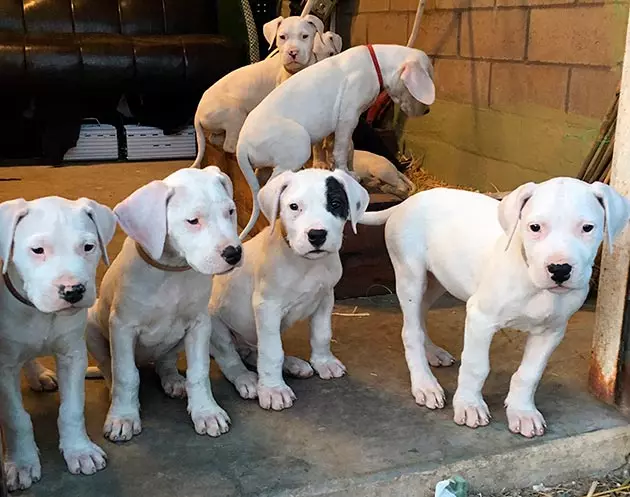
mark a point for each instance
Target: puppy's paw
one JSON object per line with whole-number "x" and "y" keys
{"x": 212, "y": 421}
{"x": 247, "y": 385}
{"x": 44, "y": 381}
{"x": 276, "y": 398}
{"x": 470, "y": 410}
{"x": 437, "y": 356}
{"x": 174, "y": 386}
{"x": 85, "y": 458}
{"x": 297, "y": 367}
{"x": 428, "y": 393}
{"x": 21, "y": 475}
{"x": 329, "y": 367}
{"x": 527, "y": 422}
{"x": 122, "y": 427}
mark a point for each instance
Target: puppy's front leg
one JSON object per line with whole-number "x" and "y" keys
{"x": 21, "y": 464}
{"x": 123, "y": 419}
{"x": 81, "y": 454}
{"x": 322, "y": 359}
{"x": 468, "y": 404}
{"x": 343, "y": 145}
{"x": 273, "y": 392}
{"x": 207, "y": 416}
{"x": 523, "y": 417}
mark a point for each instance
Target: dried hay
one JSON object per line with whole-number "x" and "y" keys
{"x": 424, "y": 180}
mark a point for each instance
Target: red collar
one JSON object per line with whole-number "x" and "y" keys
{"x": 376, "y": 66}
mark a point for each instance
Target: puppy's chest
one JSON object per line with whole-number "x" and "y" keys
{"x": 302, "y": 302}
{"x": 541, "y": 311}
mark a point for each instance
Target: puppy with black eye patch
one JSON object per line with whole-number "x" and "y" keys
{"x": 288, "y": 275}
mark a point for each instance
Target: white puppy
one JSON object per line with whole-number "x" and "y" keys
{"x": 522, "y": 263}
{"x": 154, "y": 297}
{"x": 327, "y": 45}
{"x": 279, "y": 132}
{"x": 50, "y": 249}
{"x": 225, "y": 105}
{"x": 288, "y": 275}
{"x": 376, "y": 170}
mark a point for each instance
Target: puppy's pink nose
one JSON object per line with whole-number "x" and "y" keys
{"x": 293, "y": 53}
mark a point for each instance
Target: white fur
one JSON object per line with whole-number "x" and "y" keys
{"x": 225, "y": 105}
{"x": 487, "y": 254}
{"x": 327, "y": 45}
{"x": 283, "y": 281}
{"x": 280, "y": 131}
{"x": 147, "y": 315}
{"x": 71, "y": 236}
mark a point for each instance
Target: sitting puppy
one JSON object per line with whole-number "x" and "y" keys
{"x": 524, "y": 262}
{"x": 288, "y": 275}
{"x": 376, "y": 171}
{"x": 225, "y": 105}
{"x": 50, "y": 249}
{"x": 154, "y": 297}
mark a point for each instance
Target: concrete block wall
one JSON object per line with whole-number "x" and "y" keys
{"x": 522, "y": 85}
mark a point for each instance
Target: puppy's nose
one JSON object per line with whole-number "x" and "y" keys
{"x": 559, "y": 272}
{"x": 232, "y": 254}
{"x": 317, "y": 237}
{"x": 293, "y": 53}
{"x": 72, "y": 293}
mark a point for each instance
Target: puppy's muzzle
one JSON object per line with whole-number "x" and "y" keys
{"x": 232, "y": 255}
{"x": 72, "y": 293}
{"x": 559, "y": 272}
{"x": 317, "y": 238}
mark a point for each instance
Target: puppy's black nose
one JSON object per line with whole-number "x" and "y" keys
{"x": 559, "y": 272}
{"x": 232, "y": 254}
{"x": 72, "y": 294}
{"x": 317, "y": 237}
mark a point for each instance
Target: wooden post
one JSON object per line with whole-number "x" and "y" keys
{"x": 613, "y": 280}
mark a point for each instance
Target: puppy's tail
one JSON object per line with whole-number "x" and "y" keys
{"x": 242, "y": 157}
{"x": 377, "y": 218}
{"x": 201, "y": 143}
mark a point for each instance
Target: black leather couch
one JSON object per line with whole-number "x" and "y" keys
{"x": 65, "y": 60}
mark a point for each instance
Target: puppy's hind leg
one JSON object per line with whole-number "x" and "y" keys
{"x": 292, "y": 366}
{"x": 98, "y": 348}
{"x": 173, "y": 383}
{"x": 39, "y": 378}
{"x": 437, "y": 356}
{"x": 233, "y": 129}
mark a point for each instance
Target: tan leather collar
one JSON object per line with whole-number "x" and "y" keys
{"x": 13, "y": 291}
{"x": 163, "y": 267}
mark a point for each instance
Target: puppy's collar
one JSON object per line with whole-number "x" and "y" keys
{"x": 377, "y": 67}
{"x": 13, "y": 291}
{"x": 163, "y": 267}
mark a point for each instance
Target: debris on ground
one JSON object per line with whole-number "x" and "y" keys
{"x": 453, "y": 487}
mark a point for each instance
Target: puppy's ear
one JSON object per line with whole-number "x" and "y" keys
{"x": 142, "y": 216}
{"x": 223, "y": 178}
{"x": 10, "y": 214}
{"x": 336, "y": 41}
{"x": 269, "y": 196}
{"x": 418, "y": 81}
{"x": 511, "y": 207}
{"x": 316, "y": 22}
{"x": 104, "y": 222}
{"x": 358, "y": 197}
{"x": 616, "y": 210}
{"x": 270, "y": 29}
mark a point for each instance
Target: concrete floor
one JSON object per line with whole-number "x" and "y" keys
{"x": 361, "y": 435}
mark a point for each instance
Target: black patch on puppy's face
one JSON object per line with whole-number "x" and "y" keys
{"x": 336, "y": 198}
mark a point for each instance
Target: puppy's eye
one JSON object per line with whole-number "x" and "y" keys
{"x": 192, "y": 221}
{"x": 534, "y": 227}
{"x": 335, "y": 204}
{"x": 88, "y": 247}
{"x": 231, "y": 212}
{"x": 331, "y": 53}
{"x": 38, "y": 250}
{"x": 293, "y": 207}
{"x": 304, "y": 37}
{"x": 587, "y": 228}
{"x": 282, "y": 37}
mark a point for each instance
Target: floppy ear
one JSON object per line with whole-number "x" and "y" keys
{"x": 269, "y": 196}
{"x": 511, "y": 207}
{"x": 223, "y": 178}
{"x": 270, "y": 29}
{"x": 10, "y": 214}
{"x": 336, "y": 41}
{"x": 316, "y": 23}
{"x": 358, "y": 197}
{"x": 418, "y": 82}
{"x": 104, "y": 222}
{"x": 142, "y": 216}
{"x": 616, "y": 210}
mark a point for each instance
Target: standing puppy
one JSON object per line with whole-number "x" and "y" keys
{"x": 522, "y": 263}
{"x": 50, "y": 249}
{"x": 154, "y": 297}
{"x": 225, "y": 105}
{"x": 279, "y": 132}
{"x": 289, "y": 273}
